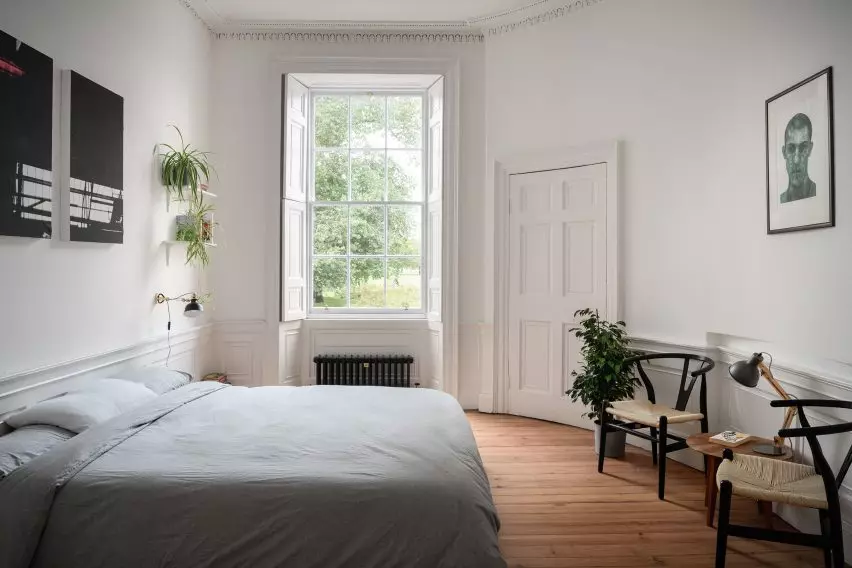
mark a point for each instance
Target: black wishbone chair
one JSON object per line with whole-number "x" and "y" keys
{"x": 783, "y": 482}
{"x": 637, "y": 414}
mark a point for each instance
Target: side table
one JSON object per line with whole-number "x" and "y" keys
{"x": 701, "y": 443}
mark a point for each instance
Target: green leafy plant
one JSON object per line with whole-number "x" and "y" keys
{"x": 367, "y": 176}
{"x": 196, "y": 229}
{"x": 185, "y": 168}
{"x": 605, "y": 376}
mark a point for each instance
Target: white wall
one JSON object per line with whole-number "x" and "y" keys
{"x": 63, "y": 301}
{"x": 683, "y": 84}
{"x": 246, "y": 138}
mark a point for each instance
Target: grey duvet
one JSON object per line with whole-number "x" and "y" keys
{"x": 209, "y": 476}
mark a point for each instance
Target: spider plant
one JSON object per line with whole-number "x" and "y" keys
{"x": 196, "y": 229}
{"x": 185, "y": 168}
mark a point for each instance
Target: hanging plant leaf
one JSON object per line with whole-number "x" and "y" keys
{"x": 184, "y": 169}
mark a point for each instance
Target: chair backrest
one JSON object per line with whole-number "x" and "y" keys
{"x": 687, "y": 379}
{"x": 812, "y": 434}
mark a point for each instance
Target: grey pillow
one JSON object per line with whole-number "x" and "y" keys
{"x": 20, "y": 446}
{"x": 158, "y": 379}
{"x": 78, "y": 410}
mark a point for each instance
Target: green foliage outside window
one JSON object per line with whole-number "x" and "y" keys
{"x": 375, "y": 157}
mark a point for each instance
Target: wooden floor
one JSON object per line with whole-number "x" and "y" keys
{"x": 558, "y": 511}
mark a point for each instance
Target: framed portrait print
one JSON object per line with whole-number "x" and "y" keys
{"x": 800, "y": 156}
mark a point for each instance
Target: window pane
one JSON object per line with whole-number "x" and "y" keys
{"x": 405, "y": 175}
{"x": 368, "y": 230}
{"x": 404, "y": 230}
{"x": 368, "y": 283}
{"x": 330, "y": 230}
{"x": 404, "y": 283}
{"x": 368, "y": 176}
{"x": 331, "y": 176}
{"x": 405, "y": 122}
{"x": 332, "y": 122}
{"x": 329, "y": 283}
{"x": 368, "y": 122}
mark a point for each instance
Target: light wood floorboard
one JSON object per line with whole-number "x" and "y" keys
{"x": 557, "y": 511}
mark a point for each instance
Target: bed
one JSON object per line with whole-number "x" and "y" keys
{"x": 214, "y": 475}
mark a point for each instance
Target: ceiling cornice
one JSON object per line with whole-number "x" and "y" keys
{"x": 188, "y": 5}
{"x": 352, "y": 37}
{"x": 551, "y": 13}
{"x": 468, "y": 31}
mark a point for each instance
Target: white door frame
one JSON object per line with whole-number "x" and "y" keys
{"x": 600, "y": 153}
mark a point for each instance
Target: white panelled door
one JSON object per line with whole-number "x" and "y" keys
{"x": 558, "y": 265}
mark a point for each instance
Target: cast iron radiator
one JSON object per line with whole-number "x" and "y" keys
{"x": 364, "y": 370}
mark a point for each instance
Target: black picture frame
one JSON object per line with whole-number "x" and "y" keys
{"x": 26, "y": 140}
{"x": 828, "y": 73}
{"x": 95, "y": 143}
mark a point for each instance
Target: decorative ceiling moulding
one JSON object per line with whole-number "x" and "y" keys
{"x": 188, "y": 5}
{"x": 472, "y": 30}
{"x": 344, "y": 25}
{"x": 547, "y": 16}
{"x": 347, "y": 37}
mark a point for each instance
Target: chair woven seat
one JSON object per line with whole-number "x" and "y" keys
{"x": 774, "y": 480}
{"x": 648, "y": 413}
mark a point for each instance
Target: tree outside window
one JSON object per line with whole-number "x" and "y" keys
{"x": 368, "y": 201}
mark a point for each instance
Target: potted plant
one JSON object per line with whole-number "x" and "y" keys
{"x": 185, "y": 168}
{"x": 605, "y": 377}
{"x": 196, "y": 229}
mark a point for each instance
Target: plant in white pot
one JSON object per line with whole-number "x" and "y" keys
{"x": 605, "y": 376}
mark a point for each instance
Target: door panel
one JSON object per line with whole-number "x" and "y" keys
{"x": 535, "y": 356}
{"x": 558, "y": 266}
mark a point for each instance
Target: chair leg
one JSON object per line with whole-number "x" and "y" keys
{"x": 654, "y": 446}
{"x": 602, "y": 447}
{"x": 825, "y": 529}
{"x": 725, "y": 492}
{"x": 836, "y": 528}
{"x": 661, "y": 490}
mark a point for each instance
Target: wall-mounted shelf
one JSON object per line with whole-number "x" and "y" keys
{"x": 171, "y": 244}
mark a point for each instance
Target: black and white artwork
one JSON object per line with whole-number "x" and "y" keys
{"x": 800, "y": 156}
{"x": 26, "y": 137}
{"x": 95, "y": 191}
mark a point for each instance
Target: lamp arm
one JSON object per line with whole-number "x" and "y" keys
{"x": 767, "y": 374}
{"x": 791, "y": 411}
{"x": 162, "y": 298}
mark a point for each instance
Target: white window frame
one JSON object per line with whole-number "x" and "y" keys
{"x": 350, "y": 312}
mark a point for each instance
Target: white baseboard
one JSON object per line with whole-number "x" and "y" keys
{"x": 486, "y": 403}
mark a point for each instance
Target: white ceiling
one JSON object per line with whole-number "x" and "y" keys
{"x": 471, "y": 14}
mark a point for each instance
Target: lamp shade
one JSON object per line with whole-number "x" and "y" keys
{"x": 193, "y": 308}
{"x": 747, "y": 373}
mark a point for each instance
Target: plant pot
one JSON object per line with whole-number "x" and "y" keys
{"x": 615, "y": 442}
{"x": 181, "y": 222}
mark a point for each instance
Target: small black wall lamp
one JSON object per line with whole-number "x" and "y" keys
{"x": 193, "y": 307}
